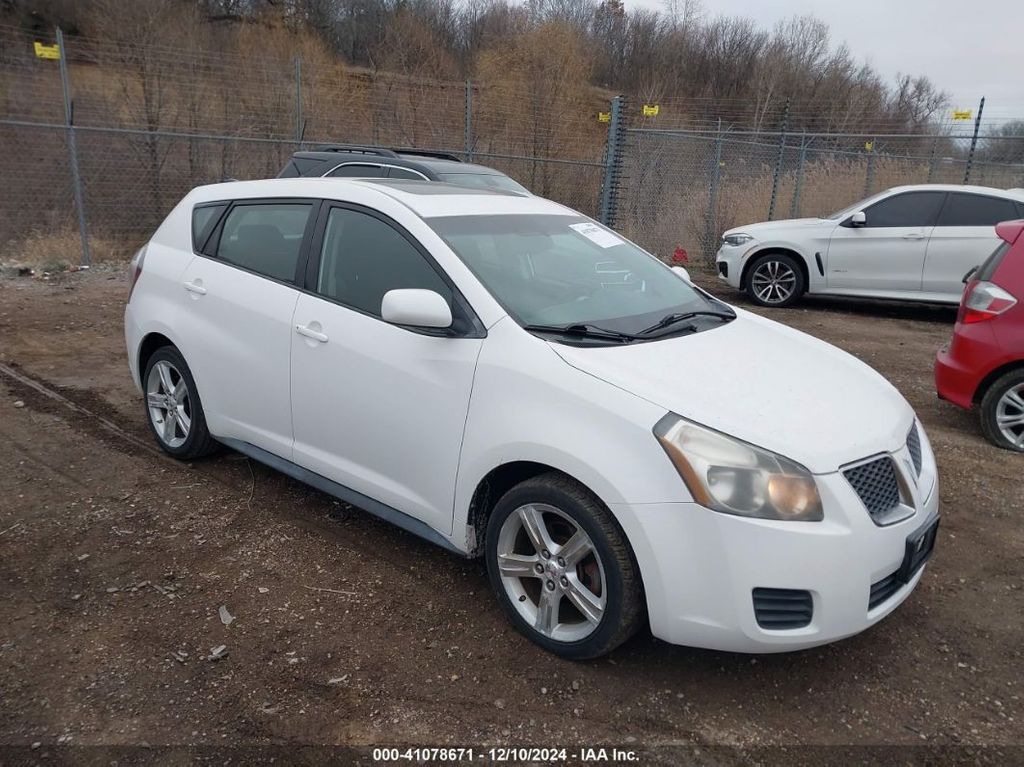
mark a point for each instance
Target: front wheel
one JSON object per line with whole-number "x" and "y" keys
{"x": 1002, "y": 411}
{"x": 562, "y": 569}
{"x": 775, "y": 279}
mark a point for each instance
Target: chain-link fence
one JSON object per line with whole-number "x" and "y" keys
{"x": 683, "y": 188}
{"x": 98, "y": 140}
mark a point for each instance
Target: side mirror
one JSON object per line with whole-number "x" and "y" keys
{"x": 858, "y": 219}
{"x": 682, "y": 273}
{"x": 417, "y": 307}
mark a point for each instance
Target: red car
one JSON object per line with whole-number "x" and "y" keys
{"x": 984, "y": 364}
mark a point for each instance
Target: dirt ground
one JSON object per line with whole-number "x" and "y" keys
{"x": 114, "y": 562}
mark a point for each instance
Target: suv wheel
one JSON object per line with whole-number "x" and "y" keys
{"x": 775, "y": 280}
{"x": 561, "y": 568}
{"x": 173, "y": 410}
{"x": 1002, "y": 411}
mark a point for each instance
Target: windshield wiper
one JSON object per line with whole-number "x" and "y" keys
{"x": 583, "y": 330}
{"x": 671, "y": 319}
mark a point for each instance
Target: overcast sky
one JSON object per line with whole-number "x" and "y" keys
{"x": 969, "y": 48}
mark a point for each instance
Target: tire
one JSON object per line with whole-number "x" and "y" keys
{"x": 775, "y": 280}
{"x": 186, "y": 437}
{"x": 1004, "y": 399}
{"x": 565, "y": 509}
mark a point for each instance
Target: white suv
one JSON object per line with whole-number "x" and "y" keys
{"x": 911, "y": 243}
{"x": 507, "y": 378}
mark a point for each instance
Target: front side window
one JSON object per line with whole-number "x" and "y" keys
{"x": 976, "y": 210}
{"x": 357, "y": 170}
{"x": 363, "y": 257}
{"x": 265, "y": 238}
{"x": 907, "y": 209}
{"x": 567, "y": 270}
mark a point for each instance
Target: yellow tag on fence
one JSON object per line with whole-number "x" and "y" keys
{"x": 869, "y": 145}
{"x": 961, "y": 114}
{"x": 604, "y": 117}
{"x": 651, "y": 110}
{"x": 47, "y": 51}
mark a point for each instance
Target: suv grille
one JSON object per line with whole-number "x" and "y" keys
{"x": 876, "y": 484}
{"x": 780, "y": 609}
{"x": 914, "y": 446}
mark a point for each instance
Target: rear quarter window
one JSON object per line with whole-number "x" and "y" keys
{"x": 204, "y": 219}
{"x": 988, "y": 269}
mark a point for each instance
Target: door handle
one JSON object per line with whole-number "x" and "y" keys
{"x": 915, "y": 236}
{"x": 308, "y": 332}
{"x": 195, "y": 287}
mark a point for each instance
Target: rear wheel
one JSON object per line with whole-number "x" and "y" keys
{"x": 562, "y": 569}
{"x": 173, "y": 410}
{"x": 775, "y": 279}
{"x": 1002, "y": 411}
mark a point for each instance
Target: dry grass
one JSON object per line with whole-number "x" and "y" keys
{"x": 60, "y": 250}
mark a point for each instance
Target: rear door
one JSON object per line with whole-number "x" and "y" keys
{"x": 887, "y": 253}
{"x": 241, "y": 293}
{"x": 962, "y": 239}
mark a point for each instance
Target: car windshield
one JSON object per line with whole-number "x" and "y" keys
{"x": 562, "y": 271}
{"x": 484, "y": 181}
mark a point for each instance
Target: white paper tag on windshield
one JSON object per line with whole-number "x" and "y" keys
{"x": 597, "y": 235}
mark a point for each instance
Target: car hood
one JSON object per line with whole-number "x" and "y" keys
{"x": 764, "y": 383}
{"x": 766, "y": 227}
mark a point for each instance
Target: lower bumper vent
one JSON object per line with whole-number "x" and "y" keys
{"x": 781, "y": 609}
{"x": 883, "y": 589}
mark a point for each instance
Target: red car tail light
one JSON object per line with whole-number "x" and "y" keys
{"x": 984, "y": 301}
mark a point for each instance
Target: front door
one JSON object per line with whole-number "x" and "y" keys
{"x": 377, "y": 407}
{"x": 885, "y": 254}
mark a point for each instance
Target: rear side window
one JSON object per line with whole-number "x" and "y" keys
{"x": 976, "y": 210}
{"x": 908, "y": 209}
{"x": 357, "y": 170}
{"x": 265, "y": 238}
{"x": 988, "y": 269}
{"x": 204, "y": 218}
{"x": 364, "y": 257}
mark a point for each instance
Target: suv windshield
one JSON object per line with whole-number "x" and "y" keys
{"x": 563, "y": 271}
{"x": 483, "y": 181}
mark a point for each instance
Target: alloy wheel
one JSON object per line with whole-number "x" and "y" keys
{"x": 1010, "y": 415}
{"x": 170, "y": 409}
{"x": 773, "y": 282}
{"x": 551, "y": 572}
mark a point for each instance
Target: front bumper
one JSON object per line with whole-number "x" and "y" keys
{"x": 700, "y": 568}
{"x": 729, "y": 262}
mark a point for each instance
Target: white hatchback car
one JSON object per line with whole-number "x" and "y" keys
{"x": 913, "y": 243}
{"x": 504, "y": 377}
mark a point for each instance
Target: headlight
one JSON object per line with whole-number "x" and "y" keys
{"x": 731, "y": 476}
{"x": 736, "y": 239}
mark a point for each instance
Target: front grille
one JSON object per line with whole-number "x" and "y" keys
{"x": 876, "y": 484}
{"x": 914, "y": 446}
{"x": 780, "y": 609}
{"x": 883, "y": 589}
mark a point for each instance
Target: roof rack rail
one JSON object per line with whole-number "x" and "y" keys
{"x": 430, "y": 153}
{"x": 357, "y": 149}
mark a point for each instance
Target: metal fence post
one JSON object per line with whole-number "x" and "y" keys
{"x": 931, "y": 160}
{"x": 974, "y": 141}
{"x": 612, "y": 163}
{"x": 298, "y": 102}
{"x": 469, "y": 121}
{"x": 794, "y": 208}
{"x": 778, "y": 162}
{"x": 869, "y": 176}
{"x": 76, "y": 178}
{"x": 712, "y": 216}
